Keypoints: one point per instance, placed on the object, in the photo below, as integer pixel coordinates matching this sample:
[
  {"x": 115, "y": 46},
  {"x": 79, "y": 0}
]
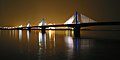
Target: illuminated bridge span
[{"x": 85, "y": 22}]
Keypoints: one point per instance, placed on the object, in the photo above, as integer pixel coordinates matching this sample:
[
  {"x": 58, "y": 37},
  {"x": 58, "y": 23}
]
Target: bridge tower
[
  {"x": 43, "y": 21},
  {"x": 77, "y": 27},
  {"x": 28, "y": 25},
  {"x": 76, "y": 17},
  {"x": 43, "y": 28}
]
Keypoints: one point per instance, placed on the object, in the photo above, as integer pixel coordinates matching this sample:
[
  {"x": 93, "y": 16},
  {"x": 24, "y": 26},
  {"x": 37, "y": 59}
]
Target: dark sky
[{"x": 17, "y": 12}]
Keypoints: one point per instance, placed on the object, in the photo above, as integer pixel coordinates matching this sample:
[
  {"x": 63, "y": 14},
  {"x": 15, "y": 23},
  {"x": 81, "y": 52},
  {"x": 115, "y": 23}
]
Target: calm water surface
[{"x": 59, "y": 45}]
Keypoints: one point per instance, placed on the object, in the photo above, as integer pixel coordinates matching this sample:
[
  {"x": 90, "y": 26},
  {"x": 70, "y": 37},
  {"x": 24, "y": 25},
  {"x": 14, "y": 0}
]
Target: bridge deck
[
  {"x": 69, "y": 25},
  {"x": 82, "y": 24}
]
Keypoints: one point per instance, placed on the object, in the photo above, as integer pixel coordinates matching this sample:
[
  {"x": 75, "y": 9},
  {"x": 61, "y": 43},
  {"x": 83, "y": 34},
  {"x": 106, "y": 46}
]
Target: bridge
[{"x": 85, "y": 22}]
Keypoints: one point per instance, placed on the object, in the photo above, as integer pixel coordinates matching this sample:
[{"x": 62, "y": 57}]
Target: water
[{"x": 59, "y": 45}]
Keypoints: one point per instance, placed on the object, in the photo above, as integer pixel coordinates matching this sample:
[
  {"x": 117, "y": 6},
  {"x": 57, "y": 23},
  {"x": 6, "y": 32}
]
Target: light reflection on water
[
  {"x": 28, "y": 35},
  {"x": 70, "y": 45},
  {"x": 42, "y": 40},
  {"x": 53, "y": 45},
  {"x": 20, "y": 35}
]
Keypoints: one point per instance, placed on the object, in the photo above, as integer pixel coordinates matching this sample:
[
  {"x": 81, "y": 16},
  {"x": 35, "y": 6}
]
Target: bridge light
[
  {"x": 20, "y": 26},
  {"x": 40, "y": 24},
  {"x": 28, "y": 25}
]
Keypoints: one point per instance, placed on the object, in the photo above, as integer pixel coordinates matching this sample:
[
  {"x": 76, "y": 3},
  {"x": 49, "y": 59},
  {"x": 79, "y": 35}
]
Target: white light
[
  {"x": 20, "y": 26},
  {"x": 69, "y": 41},
  {"x": 69, "y": 21},
  {"x": 54, "y": 38},
  {"x": 40, "y": 38},
  {"x": 85, "y": 19},
  {"x": 40, "y": 24},
  {"x": 20, "y": 34},
  {"x": 45, "y": 24},
  {"x": 51, "y": 27},
  {"x": 28, "y": 25},
  {"x": 28, "y": 35}
]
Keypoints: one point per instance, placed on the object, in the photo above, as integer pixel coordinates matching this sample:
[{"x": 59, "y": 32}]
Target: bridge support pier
[
  {"x": 77, "y": 31},
  {"x": 43, "y": 30},
  {"x": 29, "y": 28}
]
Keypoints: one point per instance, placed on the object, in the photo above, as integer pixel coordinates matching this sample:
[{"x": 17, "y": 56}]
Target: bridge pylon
[
  {"x": 77, "y": 27},
  {"x": 28, "y": 26},
  {"x": 76, "y": 17},
  {"x": 43, "y": 28}
]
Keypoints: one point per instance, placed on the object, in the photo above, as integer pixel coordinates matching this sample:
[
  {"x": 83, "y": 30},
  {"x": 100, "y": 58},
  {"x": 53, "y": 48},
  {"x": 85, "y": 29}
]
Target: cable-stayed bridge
[{"x": 84, "y": 22}]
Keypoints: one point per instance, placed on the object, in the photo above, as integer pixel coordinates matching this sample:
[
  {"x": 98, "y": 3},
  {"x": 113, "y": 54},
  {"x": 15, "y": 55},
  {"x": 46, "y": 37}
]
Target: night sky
[{"x": 17, "y": 12}]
